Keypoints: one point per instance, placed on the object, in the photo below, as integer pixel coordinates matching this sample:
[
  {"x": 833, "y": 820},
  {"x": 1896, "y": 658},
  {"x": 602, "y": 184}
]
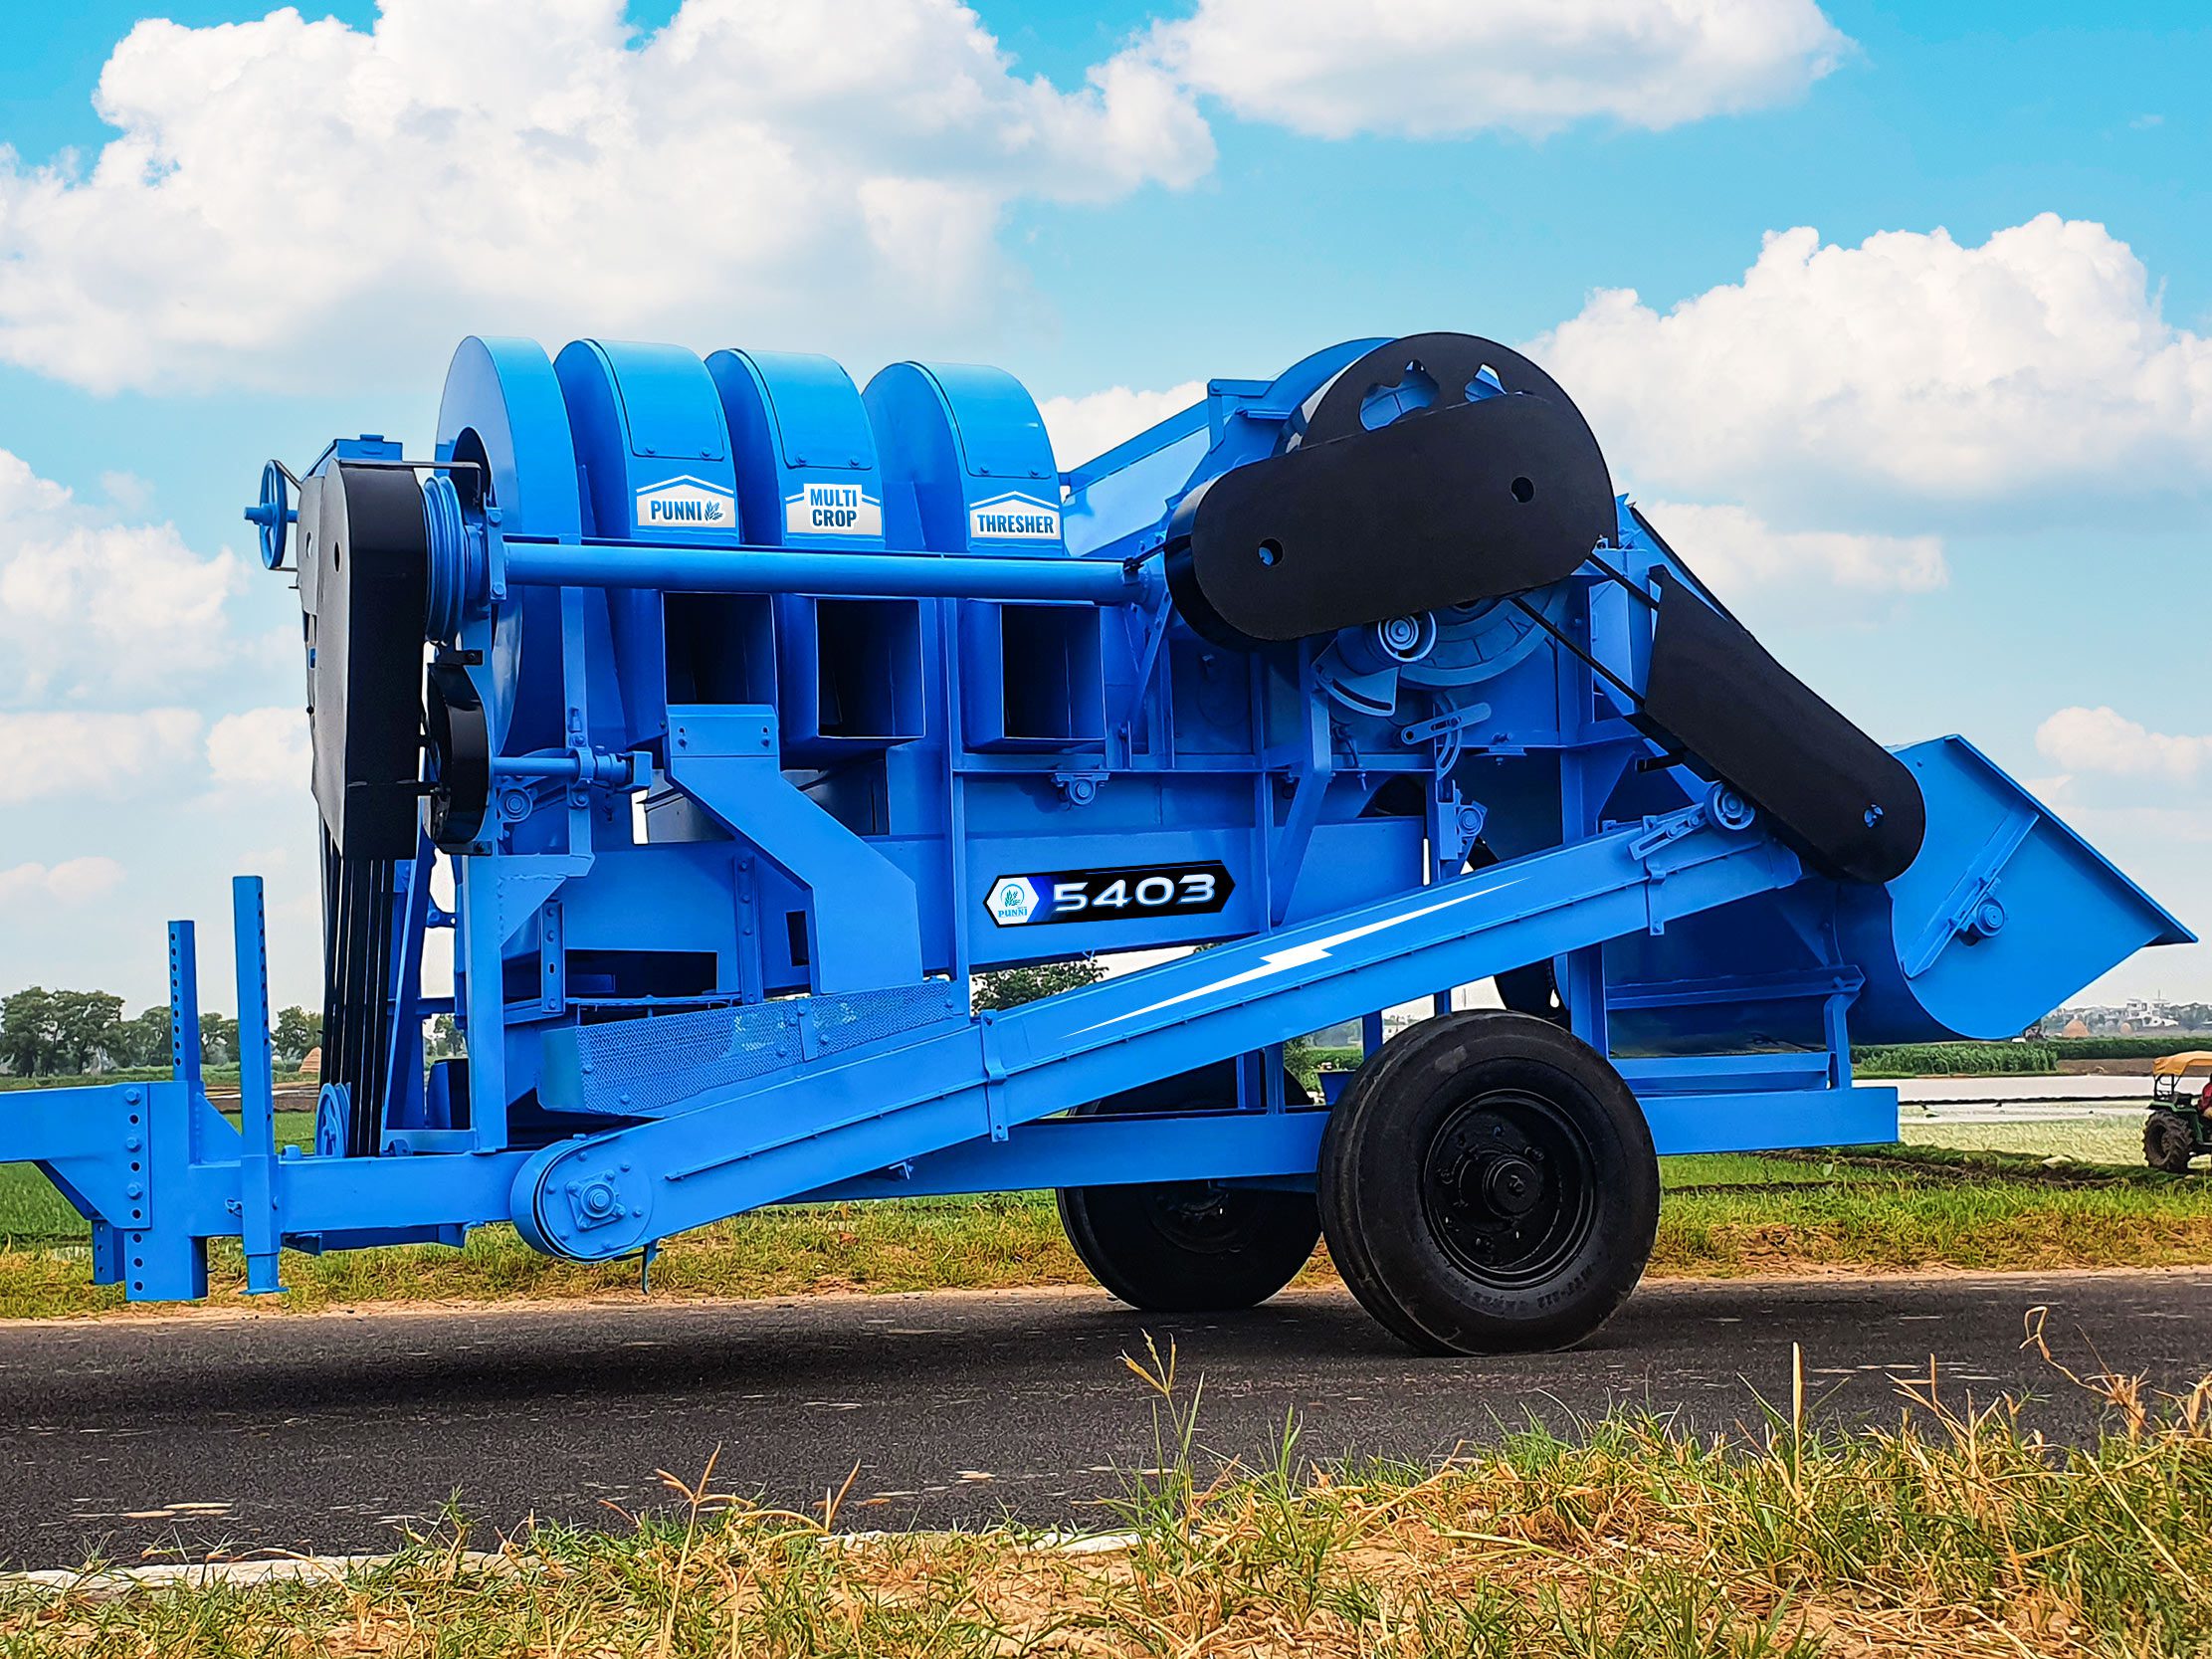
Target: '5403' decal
[{"x": 1108, "y": 895}]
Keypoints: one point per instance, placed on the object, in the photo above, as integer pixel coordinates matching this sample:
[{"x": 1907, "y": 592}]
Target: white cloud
[
  {"x": 288, "y": 200},
  {"x": 1911, "y": 370},
  {"x": 1083, "y": 427},
  {"x": 87, "y": 605},
  {"x": 1428, "y": 67},
  {"x": 71, "y": 882},
  {"x": 2104, "y": 740},
  {"x": 128, "y": 491},
  {"x": 261, "y": 748},
  {"x": 91, "y": 755},
  {"x": 1735, "y": 550}
]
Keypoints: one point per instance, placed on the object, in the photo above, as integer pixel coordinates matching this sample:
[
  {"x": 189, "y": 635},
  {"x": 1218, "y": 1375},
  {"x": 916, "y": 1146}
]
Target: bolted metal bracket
[
  {"x": 597, "y": 1200},
  {"x": 1081, "y": 789}
]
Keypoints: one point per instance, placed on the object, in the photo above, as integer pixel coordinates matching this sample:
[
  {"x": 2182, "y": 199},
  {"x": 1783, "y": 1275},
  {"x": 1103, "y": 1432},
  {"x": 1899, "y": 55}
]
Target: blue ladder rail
[{"x": 611, "y": 1194}]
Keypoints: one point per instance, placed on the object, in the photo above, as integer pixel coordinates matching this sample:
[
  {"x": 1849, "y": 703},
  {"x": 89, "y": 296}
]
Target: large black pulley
[
  {"x": 363, "y": 559},
  {"x": 1186, "y": 1247},
  {"x": 1438, "y": 470},
  {"x": 1488, "y": 1186}
]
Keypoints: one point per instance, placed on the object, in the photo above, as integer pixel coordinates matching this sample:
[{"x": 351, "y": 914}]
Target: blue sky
[{"x": 1948, "y": 446}]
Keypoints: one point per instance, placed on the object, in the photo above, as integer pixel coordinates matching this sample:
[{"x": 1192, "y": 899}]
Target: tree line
[{"x": 57, "y": 1033}]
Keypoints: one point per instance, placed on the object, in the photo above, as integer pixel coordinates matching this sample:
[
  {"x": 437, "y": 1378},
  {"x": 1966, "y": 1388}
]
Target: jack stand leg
[{"x": 645, "y": 1268}]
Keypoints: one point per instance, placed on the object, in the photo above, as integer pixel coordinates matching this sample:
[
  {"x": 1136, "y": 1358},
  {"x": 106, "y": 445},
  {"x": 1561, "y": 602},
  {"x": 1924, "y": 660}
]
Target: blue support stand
[{"x": 260, "y": 1223}]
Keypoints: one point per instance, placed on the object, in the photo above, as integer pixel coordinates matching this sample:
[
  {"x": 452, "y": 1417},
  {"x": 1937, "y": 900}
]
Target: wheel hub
[
  {"x": 1511, "y": 1186},
  {"x": 1199, "y": 1216},
  {"x": 1506, "y": 1187}
]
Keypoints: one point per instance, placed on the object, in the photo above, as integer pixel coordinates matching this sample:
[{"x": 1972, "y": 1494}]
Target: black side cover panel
[
  {"x": 1740, "y": 715},
  {"x": 1448, "y": 363},
  {"x": 1460, "y": 503},
  {"x": 364, "y": 690}
]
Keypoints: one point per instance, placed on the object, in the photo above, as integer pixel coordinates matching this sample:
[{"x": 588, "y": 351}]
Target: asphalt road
[{"x": 135, "y": 1438}]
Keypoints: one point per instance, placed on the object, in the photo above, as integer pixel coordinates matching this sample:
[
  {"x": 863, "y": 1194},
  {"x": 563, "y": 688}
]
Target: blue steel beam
[
  {"x": 610, "y": 1194},
  {"x": 1283, "y": 1147},
  {"x": 1771, "y": 1119},
  {"x": 1098, "y": 1152},
  {"x": 874, "y": 575}
]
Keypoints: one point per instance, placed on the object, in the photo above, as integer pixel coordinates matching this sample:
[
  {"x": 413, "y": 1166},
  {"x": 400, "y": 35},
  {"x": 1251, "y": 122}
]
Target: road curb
[
  {"x": 104, "y": 1584},
  {"x": 107, "y": 1584}
]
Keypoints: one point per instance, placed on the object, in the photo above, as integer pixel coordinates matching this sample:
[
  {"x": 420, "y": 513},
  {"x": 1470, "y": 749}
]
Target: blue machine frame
[{"x": 801, "y": 705}]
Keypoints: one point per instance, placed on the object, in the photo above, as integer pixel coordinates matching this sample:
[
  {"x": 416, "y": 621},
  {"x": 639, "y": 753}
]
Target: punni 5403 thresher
[{"x": 752, "y": 713}]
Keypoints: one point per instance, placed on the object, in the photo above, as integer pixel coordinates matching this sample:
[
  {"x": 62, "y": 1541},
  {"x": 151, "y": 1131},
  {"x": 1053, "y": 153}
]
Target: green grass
[
  {"x": 2039, "y": 1057},
  {"x": 215, "y": 1077},
  {"x": 1955, "y": 1535},
  {"x": 2128, "y": 1048},
  {"x": 1936, "y": 1217},
  {"x": 1955, "y": 1060}
]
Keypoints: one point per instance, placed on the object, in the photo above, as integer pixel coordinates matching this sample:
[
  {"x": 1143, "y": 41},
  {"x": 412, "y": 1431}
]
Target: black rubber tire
[
  {"x": 1553, "y": 1142},
  {"x": 2169, "y": 1143},
  {"x": 1189, "y": 1247}
]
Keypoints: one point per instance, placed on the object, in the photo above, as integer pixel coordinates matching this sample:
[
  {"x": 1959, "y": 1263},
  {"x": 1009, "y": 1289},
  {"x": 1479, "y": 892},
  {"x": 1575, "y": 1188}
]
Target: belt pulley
[
  {"x": 459, "y": 746},
  {"x": 363, "y": 574}
]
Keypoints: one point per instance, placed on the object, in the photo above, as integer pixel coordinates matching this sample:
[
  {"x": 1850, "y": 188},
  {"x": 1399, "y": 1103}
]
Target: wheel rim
[
  {"x": 1203, "y": 1217},
  {"x": 1506, "y": 1187}
]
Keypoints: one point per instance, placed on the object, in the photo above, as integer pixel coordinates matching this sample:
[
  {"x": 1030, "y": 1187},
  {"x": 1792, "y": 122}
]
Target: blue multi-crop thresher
[{"x": 752, "y": 714}]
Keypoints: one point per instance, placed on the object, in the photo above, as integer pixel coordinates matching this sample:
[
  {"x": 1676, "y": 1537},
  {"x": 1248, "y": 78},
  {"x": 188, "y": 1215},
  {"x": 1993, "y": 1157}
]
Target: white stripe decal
[{"x": 1305, "y": 955}]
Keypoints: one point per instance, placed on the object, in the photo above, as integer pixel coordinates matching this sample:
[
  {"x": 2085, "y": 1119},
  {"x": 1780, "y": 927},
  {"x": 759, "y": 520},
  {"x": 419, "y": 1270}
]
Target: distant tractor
[{"x": 2178, "y": 1128}]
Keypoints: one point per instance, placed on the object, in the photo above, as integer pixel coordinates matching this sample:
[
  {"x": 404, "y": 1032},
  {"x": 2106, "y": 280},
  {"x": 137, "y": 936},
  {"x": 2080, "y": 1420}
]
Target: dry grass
[{"x": 1957, "y": 1533}]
